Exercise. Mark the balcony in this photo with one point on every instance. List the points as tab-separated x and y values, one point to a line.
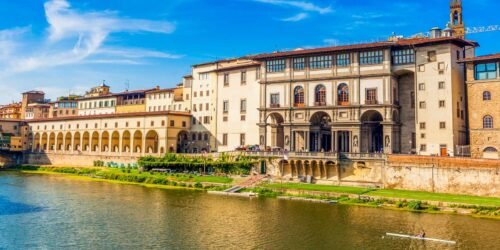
178	98
299	105
320	104
275	105
341	103
371	102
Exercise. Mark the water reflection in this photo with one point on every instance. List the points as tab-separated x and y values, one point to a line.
100	215
8	207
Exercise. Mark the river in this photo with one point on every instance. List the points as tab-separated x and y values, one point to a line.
54	212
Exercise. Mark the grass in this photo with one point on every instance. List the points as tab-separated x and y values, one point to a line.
416	195
321	188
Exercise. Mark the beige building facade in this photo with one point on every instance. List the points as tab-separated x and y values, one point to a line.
483	87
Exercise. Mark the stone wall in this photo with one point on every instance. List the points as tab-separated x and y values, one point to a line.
61	159
443	175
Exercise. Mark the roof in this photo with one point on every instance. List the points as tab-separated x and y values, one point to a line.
239	66
160	90
363	46
34	92
96	97
133	92
119	115
491	57
10	120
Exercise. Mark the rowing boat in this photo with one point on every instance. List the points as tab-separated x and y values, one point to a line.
420	238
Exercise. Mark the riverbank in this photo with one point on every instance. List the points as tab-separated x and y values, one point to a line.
402	200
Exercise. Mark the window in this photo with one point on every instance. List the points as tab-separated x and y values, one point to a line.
320	95
421	68
371	96
422	136
412	100
172	123
422	125
442	103
275	100
193	136
226	79
441	85
421	86
343	60
206	106
486	96
242	139
163	123
193	120
205	137
201	93
371	57
486	71
423	147
243	118
422	105
275	65
488	121
194	94
206	119
343	94
320	62
225	106
441	66
243	105
203	76
184	124
298	63
442	125
405	56
208	93
298	95
431	56
224	139
243	77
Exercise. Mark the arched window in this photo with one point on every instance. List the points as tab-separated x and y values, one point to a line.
199	136
488	122
320	95
194	137
343	94
486	96
455	18
205	137
298	96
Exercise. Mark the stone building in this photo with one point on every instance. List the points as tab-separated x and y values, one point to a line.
126	134
14	135
98	101
11	111
399	96
483	87
64	106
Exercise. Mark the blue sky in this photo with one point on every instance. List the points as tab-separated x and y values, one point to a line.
68	46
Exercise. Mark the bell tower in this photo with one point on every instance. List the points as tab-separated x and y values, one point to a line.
456	21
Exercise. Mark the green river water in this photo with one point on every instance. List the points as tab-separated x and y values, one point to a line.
55	212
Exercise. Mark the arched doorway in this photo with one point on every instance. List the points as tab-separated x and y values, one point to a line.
182	142
76	141
152	142
137	143
67	140
372	132
44	141
276	131
126	142
320	132
52	141
37	142
60	141
86	141
115	142
95	142
105	141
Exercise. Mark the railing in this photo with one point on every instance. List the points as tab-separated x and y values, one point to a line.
341	103
178	98
371	102
299	105
361	156
275	105
320	103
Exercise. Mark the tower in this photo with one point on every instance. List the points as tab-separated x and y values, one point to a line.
456	21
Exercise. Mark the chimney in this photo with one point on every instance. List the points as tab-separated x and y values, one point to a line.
157	87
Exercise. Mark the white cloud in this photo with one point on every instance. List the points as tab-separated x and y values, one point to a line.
303	5
73	37
296	18
136	53
331	41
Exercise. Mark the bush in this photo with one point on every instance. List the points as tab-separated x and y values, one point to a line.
198	185
400	204
415	205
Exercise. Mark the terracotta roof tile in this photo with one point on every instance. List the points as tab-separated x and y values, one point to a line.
482	58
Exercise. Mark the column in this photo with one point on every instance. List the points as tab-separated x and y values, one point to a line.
306	141
355	139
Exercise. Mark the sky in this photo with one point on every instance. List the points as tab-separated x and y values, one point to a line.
69	46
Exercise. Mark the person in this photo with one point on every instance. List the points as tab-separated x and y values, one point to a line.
422	234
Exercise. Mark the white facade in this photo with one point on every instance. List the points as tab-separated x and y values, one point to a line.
97	106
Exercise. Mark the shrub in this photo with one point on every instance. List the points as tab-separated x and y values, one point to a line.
400	204
415	205
198	185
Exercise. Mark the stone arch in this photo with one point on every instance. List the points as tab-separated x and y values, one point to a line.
44	141
52	141
67	140
105	141
94	144
137	142
152	142
76	141
320	132
300	168
490	153
60	141
330	169
372	132
86	141
115	142
316	172
182	142
276	130
285	168
36	145
307	167
126	139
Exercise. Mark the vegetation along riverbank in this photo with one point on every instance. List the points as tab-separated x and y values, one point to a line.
381	198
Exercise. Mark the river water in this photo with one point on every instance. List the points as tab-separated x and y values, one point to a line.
54	212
